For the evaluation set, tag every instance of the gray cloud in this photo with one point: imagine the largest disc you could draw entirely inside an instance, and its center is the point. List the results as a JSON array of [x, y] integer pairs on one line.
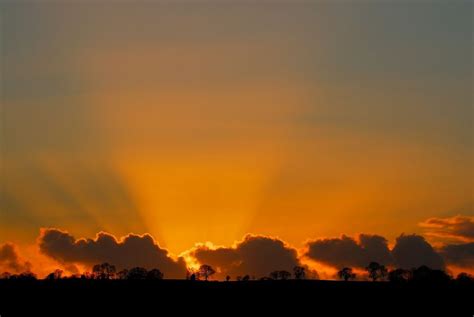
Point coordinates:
[[409, 251], [254, 255], [132, 250], [457, 227], [412, 251], [346, 251], [10, 260], [459, 254]]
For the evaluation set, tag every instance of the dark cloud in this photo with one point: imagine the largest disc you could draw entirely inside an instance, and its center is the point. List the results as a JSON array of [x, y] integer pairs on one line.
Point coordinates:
[[457, 227], [346, 251], [459, 254], [132, 250], [412, 251], [10, 260], [254, 255], [409, 251]]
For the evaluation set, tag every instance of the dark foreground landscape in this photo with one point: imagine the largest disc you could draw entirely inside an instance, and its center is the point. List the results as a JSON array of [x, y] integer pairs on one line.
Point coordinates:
[[174, 297]]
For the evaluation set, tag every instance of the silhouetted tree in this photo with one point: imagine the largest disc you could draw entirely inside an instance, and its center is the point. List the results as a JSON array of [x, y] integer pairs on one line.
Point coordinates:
[[376, 271], [5, 275], [227, 278], [284, 275], [192, 277], [246, 278], [465, 278], [25, 276], [280, 275], [206, 271], [104, 271], [399, 275], [155, 274], [72, 277], [137, 273], [56, 275], [424, 274], [274, 275], [87, 276], [299, 272], [122, 275], [346, 274]]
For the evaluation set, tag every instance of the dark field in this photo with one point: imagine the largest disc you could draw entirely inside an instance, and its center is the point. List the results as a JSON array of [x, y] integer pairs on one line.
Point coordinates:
[[175, 297]]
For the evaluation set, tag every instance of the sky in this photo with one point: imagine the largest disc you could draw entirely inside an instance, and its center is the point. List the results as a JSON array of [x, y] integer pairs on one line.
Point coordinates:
[[206, 121]]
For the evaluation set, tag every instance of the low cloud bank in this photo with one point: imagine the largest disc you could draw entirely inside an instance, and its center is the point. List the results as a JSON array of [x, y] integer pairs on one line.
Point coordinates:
[[254, 255], [129, 251]]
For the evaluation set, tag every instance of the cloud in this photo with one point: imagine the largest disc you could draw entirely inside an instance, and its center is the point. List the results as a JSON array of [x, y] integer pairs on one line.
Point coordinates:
[[412, 251], [461, 255], [346, 251], [458, 227], [129, 251], [255, 255], [10, 260], [409, 251]]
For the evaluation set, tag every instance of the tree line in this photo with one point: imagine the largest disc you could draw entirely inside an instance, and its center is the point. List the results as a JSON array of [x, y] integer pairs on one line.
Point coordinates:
[[375, 272], [378, 272]]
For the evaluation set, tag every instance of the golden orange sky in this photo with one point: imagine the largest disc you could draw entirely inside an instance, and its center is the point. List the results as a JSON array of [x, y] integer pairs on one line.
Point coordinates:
[[200, 123]]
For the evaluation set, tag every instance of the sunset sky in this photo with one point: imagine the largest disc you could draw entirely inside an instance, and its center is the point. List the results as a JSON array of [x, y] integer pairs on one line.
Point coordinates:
[[204, 121]]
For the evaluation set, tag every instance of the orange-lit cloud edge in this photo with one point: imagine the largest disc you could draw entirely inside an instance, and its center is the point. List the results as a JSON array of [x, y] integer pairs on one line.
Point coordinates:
[[76, 255]]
